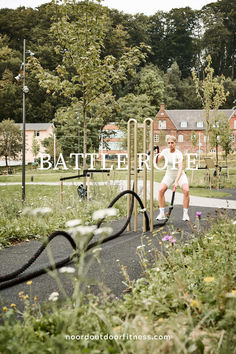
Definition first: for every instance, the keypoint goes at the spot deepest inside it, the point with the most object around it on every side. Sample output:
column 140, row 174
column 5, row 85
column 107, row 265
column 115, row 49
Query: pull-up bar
column 86, row 173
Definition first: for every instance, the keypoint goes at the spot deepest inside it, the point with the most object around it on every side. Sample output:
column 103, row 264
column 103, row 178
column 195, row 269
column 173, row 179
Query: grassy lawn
column 17, row 226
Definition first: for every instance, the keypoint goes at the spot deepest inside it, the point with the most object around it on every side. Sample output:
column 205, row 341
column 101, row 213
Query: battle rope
column 13, row 278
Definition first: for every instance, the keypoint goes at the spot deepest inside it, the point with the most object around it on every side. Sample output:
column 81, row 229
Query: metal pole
column 199, row 151
column 23, row 128
column 135, row 170
column 54, row 148
column 151, row 179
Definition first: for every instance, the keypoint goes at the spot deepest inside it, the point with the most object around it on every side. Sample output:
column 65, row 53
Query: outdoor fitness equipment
column 16, row 277
column 148, row 144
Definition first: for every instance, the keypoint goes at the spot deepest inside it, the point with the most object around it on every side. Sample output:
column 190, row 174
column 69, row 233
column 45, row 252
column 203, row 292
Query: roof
column 35, row 126
column 192, row 116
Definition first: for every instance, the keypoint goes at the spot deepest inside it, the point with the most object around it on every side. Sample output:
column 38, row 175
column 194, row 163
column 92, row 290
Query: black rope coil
column 14, row 278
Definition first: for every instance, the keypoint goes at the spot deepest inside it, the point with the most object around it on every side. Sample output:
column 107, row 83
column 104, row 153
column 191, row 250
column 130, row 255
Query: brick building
column 182, row 124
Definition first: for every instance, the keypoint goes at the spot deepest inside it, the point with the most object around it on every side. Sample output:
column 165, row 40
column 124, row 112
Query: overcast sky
column 148, row 7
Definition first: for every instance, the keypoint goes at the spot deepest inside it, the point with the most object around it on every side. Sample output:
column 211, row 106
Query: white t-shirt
column 172, row 159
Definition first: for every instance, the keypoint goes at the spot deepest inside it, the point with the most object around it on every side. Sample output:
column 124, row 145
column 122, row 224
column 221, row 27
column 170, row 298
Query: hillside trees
column 84, row 76
column 180, row 40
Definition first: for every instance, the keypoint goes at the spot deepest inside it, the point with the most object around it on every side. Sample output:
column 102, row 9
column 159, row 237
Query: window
column 162, row 124
column 205, row 139
column 184, row 124
column 180, row 138
column 199, row 124
column 156, row 138
column 235, row 124
column 232, row 138
column 36, row 133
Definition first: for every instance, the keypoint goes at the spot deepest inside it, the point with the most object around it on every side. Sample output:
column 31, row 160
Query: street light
column 25, row 90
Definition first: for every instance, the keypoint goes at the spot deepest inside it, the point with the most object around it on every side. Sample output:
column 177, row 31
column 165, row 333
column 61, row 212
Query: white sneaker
column 186, row 217
column 161, row 216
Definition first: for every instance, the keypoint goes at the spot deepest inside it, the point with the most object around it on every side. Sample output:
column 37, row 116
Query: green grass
column 16, row 227
column 187, row 299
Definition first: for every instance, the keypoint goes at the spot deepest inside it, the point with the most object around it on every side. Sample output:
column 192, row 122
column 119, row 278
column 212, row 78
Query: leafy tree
column 151, row 83
column 83, row 75
column 219, row 38
column 10, row 139
column 180, row 26
column 220, row 135
column 212, row 94
column 35, row 147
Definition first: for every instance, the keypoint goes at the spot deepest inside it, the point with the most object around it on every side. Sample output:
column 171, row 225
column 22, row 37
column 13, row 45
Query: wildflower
column 198, row 214
column 13, row 305
column 141, row 246
column 231, row 294
column 4, row 309
column 105, row 230
column 36, row 298
column 53, row 296
column 67, row 270
column 72, row 223
column 97, row 250
column 26, row 296
column 173, row 241
column 194, row 303
column 167, row 238
column 234, row 222
column 157, row 269
column 116, row 328
column 85, row 230
column 102, row 213
column 21, row 293
column 41, row 211
column 209, row 279
column 29, row 282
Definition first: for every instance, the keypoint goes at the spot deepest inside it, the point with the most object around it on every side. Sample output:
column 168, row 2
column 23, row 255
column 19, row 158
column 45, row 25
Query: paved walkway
column 226, row 203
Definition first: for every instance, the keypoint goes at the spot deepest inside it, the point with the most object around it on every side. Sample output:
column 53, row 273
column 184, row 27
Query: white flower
column 142, row 246
column 69, row 207
column 85, row 230
column 67, row 270
column 74, row 222
column 102, row 213
column 105, row 230
column 97, row 250
column 53, row 296
column 234, row 222
column 157, row 269
column 36, row 211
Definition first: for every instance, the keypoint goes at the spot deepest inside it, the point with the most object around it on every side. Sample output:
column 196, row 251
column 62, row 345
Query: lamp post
column 25, row 91
column 23, row 128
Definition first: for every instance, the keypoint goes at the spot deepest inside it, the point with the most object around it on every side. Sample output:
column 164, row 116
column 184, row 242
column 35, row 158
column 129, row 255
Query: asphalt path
column 104, row 273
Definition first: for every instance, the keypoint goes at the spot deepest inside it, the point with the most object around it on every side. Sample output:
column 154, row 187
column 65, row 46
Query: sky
column 148, row 7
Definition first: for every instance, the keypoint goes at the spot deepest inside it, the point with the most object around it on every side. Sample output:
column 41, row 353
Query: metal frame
column 147, row 121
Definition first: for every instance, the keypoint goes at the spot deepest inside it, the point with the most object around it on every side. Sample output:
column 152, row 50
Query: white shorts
column 169, row 179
